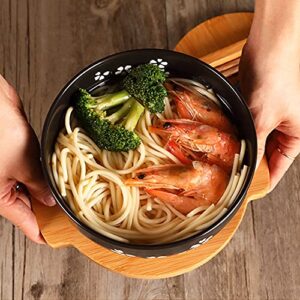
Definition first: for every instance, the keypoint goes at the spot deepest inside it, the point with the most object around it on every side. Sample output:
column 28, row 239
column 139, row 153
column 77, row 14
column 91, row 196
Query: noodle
column 91, row 182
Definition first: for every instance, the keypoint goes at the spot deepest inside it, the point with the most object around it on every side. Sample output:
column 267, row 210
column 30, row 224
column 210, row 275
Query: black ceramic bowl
column 179, row 65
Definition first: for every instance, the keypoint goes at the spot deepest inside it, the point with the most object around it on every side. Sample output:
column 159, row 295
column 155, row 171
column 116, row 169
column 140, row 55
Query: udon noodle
column 91, row 181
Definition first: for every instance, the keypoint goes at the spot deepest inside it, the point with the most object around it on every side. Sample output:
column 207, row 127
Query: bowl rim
column 68, row 211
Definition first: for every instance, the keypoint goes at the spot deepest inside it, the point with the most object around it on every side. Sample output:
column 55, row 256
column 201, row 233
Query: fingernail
column 49, row 200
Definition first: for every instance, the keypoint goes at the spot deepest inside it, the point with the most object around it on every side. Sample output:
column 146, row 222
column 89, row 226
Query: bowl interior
column 178, row 65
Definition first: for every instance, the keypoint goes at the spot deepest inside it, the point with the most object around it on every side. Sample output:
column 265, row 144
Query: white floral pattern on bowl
column 100, row 76
column 121, row 252
column 159, row 62
column 123, row 69
column 201, row 242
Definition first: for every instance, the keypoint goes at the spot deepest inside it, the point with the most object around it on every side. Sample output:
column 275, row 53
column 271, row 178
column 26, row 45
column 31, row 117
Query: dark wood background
column 45, row 42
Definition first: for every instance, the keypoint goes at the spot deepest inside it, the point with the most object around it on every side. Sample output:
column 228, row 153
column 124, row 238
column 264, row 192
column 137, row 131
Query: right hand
column 19, row 163
column 270, row 82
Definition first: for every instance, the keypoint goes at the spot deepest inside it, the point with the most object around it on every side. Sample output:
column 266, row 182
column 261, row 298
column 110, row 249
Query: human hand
column 19, row 163
column 270, row 82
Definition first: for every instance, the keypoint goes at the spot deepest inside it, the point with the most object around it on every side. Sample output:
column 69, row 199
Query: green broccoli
column 113, row 131
column 148, row 71
column 145, row 83
column 110, row 119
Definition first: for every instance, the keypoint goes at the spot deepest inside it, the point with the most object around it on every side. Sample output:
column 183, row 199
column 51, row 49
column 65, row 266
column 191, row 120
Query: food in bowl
column 150, row 159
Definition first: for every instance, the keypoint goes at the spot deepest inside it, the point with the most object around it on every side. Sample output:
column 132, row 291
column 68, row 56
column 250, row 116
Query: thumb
column 30, row 172
column 261, row 145
column 38, row 189
column 263, row 128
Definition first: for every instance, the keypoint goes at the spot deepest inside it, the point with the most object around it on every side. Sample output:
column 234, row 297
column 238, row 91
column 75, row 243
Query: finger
column 17, row 212
column 279, row 145
column 278, row 165
column 271, row 144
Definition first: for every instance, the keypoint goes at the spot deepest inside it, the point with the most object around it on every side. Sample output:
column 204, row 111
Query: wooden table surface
column 45, row 42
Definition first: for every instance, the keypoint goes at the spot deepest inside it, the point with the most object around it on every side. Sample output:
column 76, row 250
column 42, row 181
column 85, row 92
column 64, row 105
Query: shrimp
column 199, row 108
column 185, row 187
column 219, row 147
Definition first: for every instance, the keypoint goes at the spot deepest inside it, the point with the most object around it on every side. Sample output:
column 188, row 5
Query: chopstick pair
column 226, row 60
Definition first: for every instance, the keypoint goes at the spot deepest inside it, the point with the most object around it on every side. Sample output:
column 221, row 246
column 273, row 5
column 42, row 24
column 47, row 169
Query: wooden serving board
column 58, row 231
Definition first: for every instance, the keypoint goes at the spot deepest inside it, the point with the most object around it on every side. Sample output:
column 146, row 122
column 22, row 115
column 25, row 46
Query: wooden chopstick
column 224, row 55
column 226, row 60
column 228, row 65
column 231, row 71
column 230, row 68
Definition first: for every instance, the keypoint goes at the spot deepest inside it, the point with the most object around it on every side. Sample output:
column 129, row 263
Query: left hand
column 19, row 163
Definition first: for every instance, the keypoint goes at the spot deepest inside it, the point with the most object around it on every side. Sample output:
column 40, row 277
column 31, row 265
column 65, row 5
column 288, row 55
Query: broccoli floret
column 145, row 83
column 115, row 131
column 110, row 119
column 148, row 71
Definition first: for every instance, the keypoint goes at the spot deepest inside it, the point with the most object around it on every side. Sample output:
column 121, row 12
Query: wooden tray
column 58, row 231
